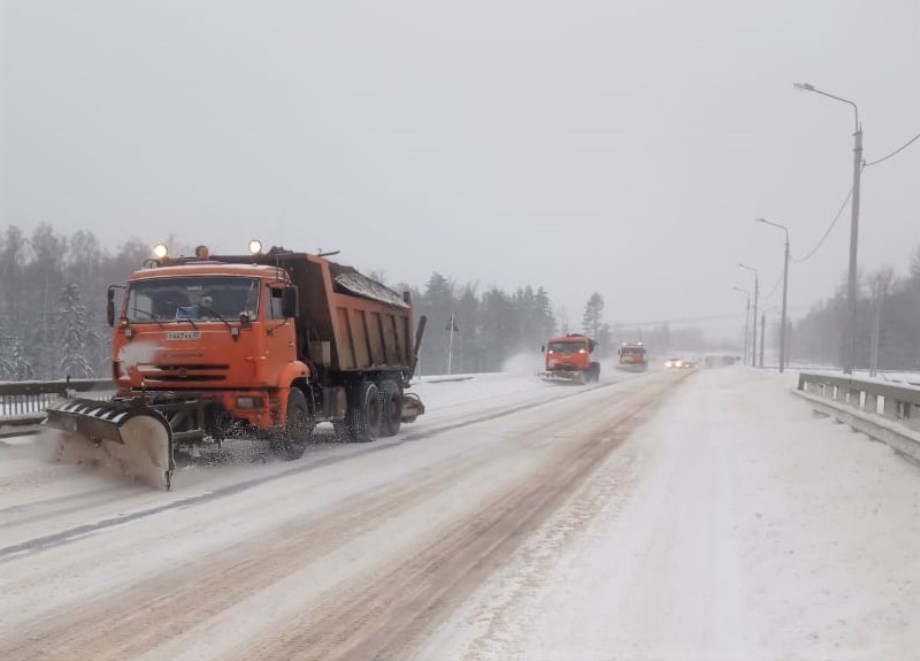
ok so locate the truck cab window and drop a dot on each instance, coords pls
(274, 308)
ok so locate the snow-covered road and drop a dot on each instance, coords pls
(668, 515)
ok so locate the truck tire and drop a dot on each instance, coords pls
(298, 428)
(390, 408)
(362, 421)
(594, 372)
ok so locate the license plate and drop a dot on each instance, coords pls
(183, 335)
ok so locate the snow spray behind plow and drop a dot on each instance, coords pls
(137, 438)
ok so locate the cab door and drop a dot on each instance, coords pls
(280, 338)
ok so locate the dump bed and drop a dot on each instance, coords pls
(349, 322)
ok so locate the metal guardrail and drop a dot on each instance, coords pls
(886, 412)
(23, 403)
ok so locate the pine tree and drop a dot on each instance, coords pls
(593, 318)
(71, 322)
(22, 366)
(7, 369)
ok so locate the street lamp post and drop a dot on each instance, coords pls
(747, 319)
(782, 329)
(850, 354)
(756, 296)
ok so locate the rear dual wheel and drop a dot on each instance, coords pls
(391, 408)
(373, 412)
(363, 417)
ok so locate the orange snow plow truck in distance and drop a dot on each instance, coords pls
(568, 360)
(633, 357)
(260, 346)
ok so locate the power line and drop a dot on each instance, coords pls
(773, 288)
(827, 233)
(895, 152)
(720, 317)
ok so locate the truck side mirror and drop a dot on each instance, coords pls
(290, 303)
(542, 348)
(110, 306)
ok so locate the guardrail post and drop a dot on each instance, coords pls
(892, 408)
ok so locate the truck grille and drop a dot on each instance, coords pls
(180, 373)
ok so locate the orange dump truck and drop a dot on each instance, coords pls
(263, 346)
(633, 357)
(568, 360)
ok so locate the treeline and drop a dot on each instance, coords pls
(479, 331)
(52, 302)
(888, 326)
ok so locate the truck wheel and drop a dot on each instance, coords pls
(298, 430)
(594, 372)
(391, 408)
(364, 414)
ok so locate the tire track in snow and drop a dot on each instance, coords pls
(142, 617)
(385, 616)
(76, 533)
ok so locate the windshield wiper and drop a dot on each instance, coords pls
(152, 316)
(188, 317)
(215, 313)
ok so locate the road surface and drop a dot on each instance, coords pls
(667, 515)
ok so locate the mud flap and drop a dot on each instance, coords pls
(137, 438)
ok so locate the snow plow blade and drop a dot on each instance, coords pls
(573, 377)
(136, 436)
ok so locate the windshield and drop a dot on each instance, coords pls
(632, 350)
(201, 298)
(566, 347)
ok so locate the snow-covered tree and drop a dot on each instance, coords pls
(593, 318)
(71, 322)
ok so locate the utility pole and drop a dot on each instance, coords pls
(451, 328)
(849, 360)
(747, 320)
(854, 242)
(763, 333)
(782, 334)
(756, 296)
(876, 338)
(450, 343)
(782, 331)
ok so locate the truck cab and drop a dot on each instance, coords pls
(568, 358)
(224, 328)
(633, 357)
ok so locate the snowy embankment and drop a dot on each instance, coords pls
(735, 525)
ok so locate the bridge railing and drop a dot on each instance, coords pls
(23, 403)
(885, 411)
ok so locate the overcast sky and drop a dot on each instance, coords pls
(582, 145)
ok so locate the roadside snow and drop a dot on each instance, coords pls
(735, 525)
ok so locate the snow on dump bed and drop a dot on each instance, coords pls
(735, 525)
(355, 283)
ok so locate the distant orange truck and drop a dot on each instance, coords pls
(568, 359)
(633, 357)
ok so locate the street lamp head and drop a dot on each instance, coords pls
(760, 220)
(804, 87)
